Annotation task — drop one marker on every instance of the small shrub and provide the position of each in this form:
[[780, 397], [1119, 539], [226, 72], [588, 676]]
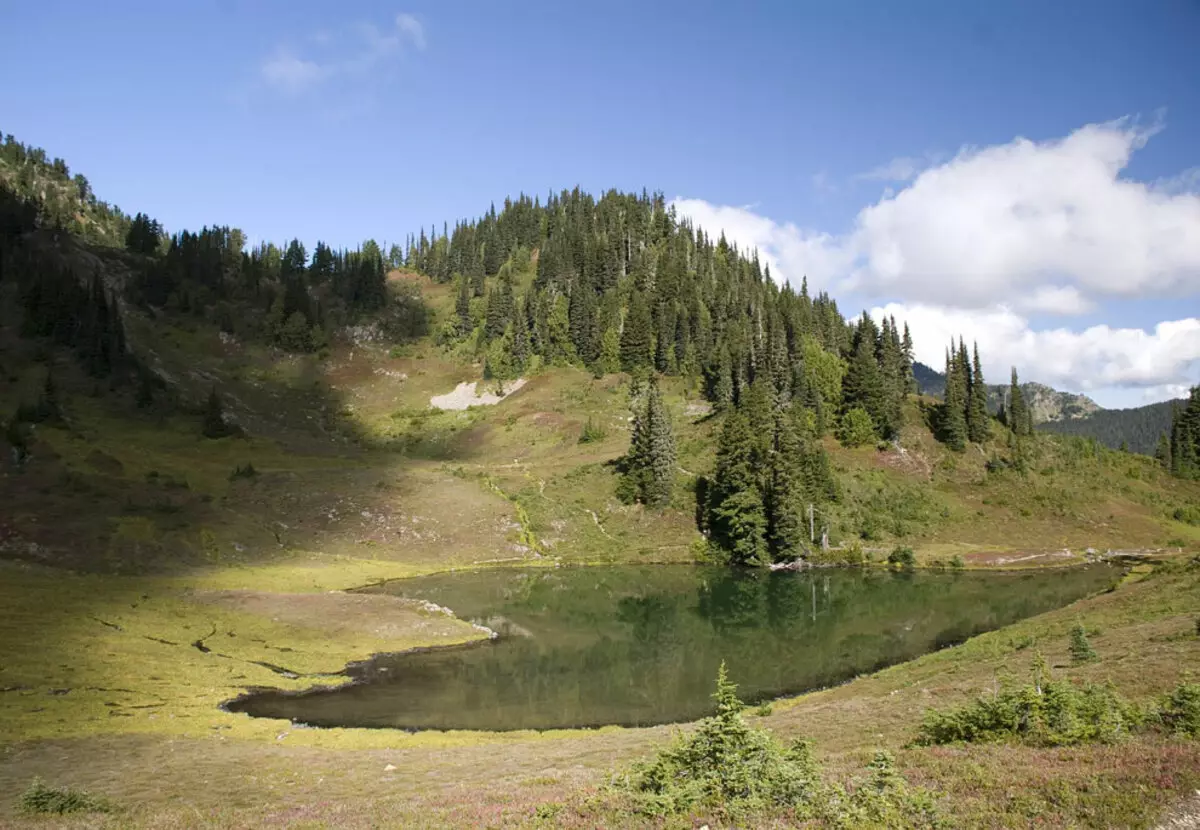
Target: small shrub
[[1180, 710], [246, 471], [1045, 712], [40, 798], [902, 557], [1080, 648], [856, 428], [732, 769], [957, 563], [593, 432]]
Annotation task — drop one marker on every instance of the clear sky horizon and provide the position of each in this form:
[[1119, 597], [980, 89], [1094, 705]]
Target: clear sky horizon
[[1025, 174]]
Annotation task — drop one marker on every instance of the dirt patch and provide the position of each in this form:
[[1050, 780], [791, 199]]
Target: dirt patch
[[340, 613], [468, 394], [1029, 560]]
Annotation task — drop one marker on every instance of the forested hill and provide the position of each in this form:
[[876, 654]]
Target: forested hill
[[1046, 404], [1138, 429]]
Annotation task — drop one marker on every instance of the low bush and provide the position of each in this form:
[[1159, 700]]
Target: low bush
[[1045, 712], [40, 798], [902, 557], [1080, 648], [1179, 712], [592, 432], [734, 770]]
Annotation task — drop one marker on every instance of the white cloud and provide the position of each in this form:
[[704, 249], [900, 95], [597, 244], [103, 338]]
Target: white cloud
[[355, 51], [897, 170], [1002, 223], [411, 28], [1098, 358], [285, 71]]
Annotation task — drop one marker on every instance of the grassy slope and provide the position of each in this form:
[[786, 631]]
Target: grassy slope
[[360, 481]]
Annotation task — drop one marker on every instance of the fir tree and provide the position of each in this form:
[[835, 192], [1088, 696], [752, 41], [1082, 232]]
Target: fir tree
[[462, 307], [977, 413], [864, 385], [786, 497], [650, 463], [1162, 452], [1020, 419], [637, 338], [214, 425], [953, 414]]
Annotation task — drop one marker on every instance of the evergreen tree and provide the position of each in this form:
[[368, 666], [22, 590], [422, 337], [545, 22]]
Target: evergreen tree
[[650, 463], [1018, 415], [462, 307], [953, 413], [1162, 452], [864, 385], [977, 413], [786, 497], [637, 338], [737, 519], [214, 425], [610, 351]]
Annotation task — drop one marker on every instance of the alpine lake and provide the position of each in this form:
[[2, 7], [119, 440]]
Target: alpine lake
[[641, 645]]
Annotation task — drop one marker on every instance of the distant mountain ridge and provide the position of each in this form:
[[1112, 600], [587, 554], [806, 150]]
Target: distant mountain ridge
[[1138, 428], [1048, 405]]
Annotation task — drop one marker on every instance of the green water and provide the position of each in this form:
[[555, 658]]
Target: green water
[[641, 645]]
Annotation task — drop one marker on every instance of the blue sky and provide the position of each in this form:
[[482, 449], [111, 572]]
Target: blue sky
[[851, 141]]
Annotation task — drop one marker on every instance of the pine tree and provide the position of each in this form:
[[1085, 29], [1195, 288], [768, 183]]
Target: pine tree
[[737, 519], [637, 338], [610, 351], [864, 384], [214, 425], [1163, 452], [462, 307], [1020, 420], [977, 413], [650, 464], [953, 414], [786, 497]]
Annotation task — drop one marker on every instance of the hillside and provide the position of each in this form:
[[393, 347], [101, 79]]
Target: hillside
[[210, 445], [1046, 404], [1138, 428]]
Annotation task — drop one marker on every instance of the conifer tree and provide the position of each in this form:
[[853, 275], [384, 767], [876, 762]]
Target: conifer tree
[[214, 425], [786, 498], [462, 307], [977, 413], [637, 338], [610, 351], [650, 463], [953, 414], [1162, 452], [864, 384], [1020, 419]]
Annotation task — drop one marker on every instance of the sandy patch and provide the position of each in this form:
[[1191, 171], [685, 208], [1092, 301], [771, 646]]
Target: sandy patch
[[468, 394]]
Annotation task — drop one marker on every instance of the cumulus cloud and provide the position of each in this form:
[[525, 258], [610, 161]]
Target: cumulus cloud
[[355, 51], [974, 244], [1097, 358], [1000, 224]]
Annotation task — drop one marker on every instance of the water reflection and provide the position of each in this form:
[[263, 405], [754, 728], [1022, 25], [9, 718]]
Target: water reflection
[[641, 645]]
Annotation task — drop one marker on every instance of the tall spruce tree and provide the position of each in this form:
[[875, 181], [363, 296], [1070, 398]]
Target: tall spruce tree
[[977, 413], [637, 338], [650, 463], [1017, 414], [954, 404]]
